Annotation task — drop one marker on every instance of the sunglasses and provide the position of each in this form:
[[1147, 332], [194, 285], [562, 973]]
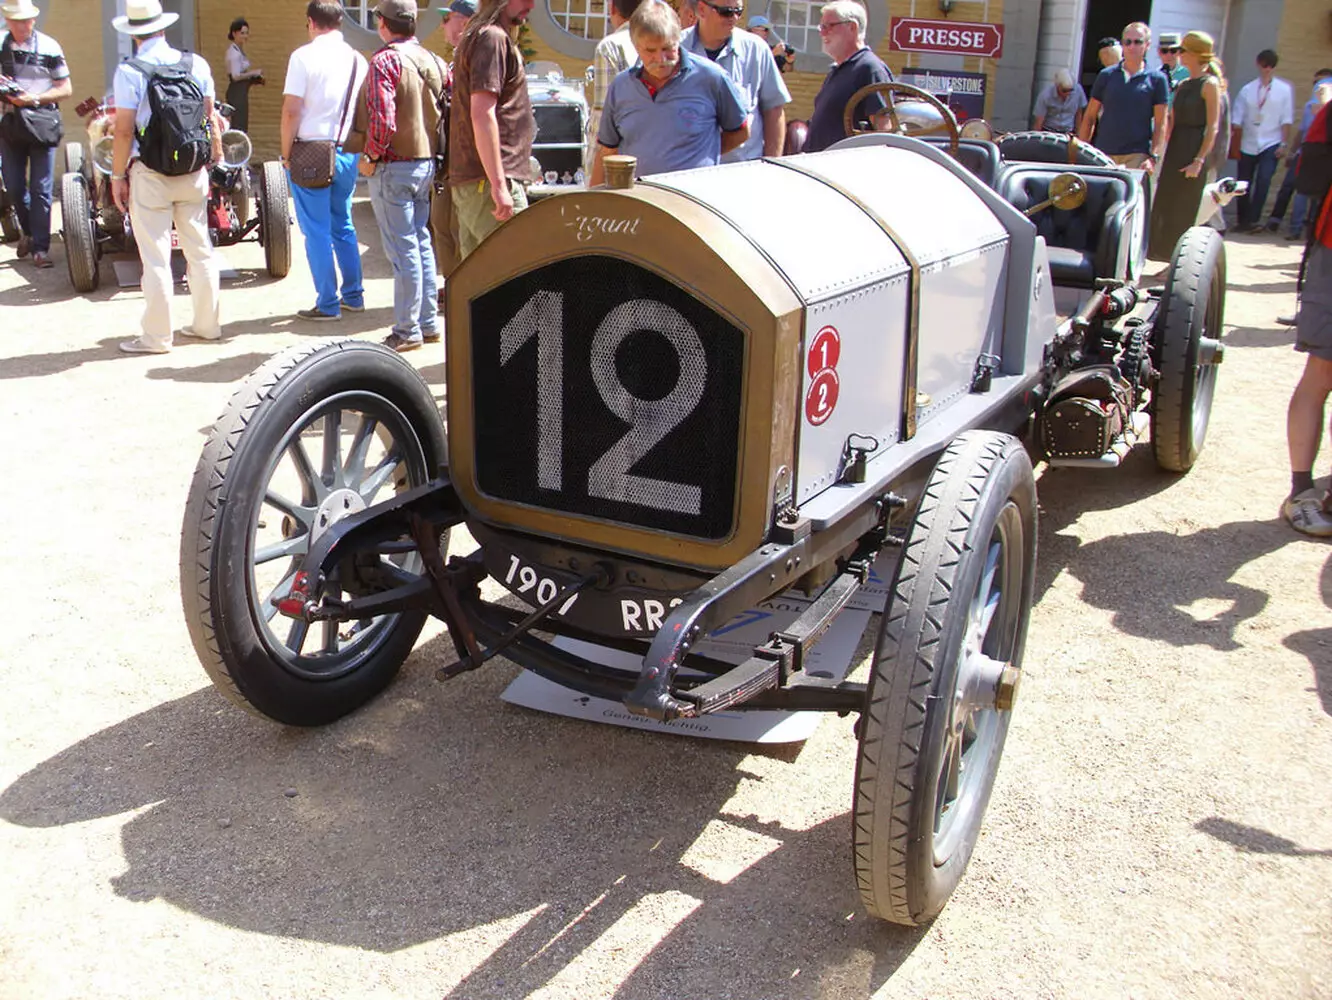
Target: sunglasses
[[1135, 41], [1167, 51], [725, 11]]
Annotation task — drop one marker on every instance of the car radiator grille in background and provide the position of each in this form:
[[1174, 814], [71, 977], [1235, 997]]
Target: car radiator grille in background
[[604, 390]]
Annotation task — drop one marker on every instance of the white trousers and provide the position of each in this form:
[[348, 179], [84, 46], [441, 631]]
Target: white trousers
[[157, 201]]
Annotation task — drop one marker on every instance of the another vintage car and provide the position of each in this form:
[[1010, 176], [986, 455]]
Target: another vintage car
[[662, 409], [94, 225], [560, 149]]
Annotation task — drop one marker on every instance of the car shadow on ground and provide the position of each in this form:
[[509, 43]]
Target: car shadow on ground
[[437, 810], [1149, 579], [1252, 840]]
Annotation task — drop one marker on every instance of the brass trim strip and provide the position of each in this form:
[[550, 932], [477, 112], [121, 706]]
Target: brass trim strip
[[909, 376]]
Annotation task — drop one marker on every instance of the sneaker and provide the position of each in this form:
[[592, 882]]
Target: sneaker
[[351, 308], [1287, 320], [41, 259], [24, 246], [401, 344], [137, 346], [430, 336], [1273, 225], [1306, 514], [189, 331], [317, 316]]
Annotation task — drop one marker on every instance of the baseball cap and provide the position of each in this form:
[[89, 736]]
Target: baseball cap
[[467, 8], [398, 10], [759, 21], [1105, 43]]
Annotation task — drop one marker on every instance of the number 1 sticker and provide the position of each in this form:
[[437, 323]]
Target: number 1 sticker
[[825, 351], [821, 399]]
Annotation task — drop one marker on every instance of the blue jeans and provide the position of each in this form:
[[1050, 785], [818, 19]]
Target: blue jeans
[[324, 216], [1257, 170], [400, 196], [28, 172]]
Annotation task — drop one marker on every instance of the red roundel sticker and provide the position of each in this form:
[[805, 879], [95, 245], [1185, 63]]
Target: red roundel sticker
[[825, 350], [821, 399]]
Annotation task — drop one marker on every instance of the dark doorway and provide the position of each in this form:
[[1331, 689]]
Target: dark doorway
[[1107, 20]]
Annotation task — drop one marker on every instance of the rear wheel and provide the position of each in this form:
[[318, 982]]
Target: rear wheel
[[1051, 147], [945, 674], [1187, 342], [80, 240], [275, 220], [314, 435], [76, 162]]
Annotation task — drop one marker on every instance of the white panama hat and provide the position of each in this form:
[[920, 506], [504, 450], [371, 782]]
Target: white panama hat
[[143, 17], [20, 10]]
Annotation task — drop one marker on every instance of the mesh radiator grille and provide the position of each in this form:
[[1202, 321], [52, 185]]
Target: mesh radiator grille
[[604, 390]]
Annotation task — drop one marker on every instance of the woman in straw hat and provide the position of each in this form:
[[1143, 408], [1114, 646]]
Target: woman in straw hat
[[1193, 121], [36, 63]]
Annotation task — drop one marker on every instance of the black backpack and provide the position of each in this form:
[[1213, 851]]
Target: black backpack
[[177, 139]]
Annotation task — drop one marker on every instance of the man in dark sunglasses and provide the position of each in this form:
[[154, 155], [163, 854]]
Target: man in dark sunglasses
[[1127, 108], [1168, 48], [748, 61]]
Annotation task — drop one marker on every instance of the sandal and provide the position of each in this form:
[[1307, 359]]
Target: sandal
[[399, 343]]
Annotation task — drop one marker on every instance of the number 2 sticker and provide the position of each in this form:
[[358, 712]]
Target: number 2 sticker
[[821, 399]]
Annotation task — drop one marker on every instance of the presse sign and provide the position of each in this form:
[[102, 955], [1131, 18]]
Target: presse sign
[[956, 38]]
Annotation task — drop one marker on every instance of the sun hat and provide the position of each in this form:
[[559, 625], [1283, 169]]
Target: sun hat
[[20, 10], [1200, 44], [143, 17], [467, 8], [1168, 40]]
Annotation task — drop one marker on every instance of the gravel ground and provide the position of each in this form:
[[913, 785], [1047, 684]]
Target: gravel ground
[[1160, 826]]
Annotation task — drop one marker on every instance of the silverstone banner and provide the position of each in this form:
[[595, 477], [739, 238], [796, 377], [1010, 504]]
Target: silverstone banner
[[963, 92]]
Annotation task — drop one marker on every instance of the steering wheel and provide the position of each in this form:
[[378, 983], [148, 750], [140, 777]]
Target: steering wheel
[[948, 123]]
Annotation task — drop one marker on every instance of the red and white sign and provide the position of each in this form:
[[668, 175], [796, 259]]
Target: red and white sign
[[826, 350], [821, 399], [954, 38]]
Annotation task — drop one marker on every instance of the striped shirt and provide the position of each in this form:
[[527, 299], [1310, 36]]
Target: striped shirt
[[37, 63]]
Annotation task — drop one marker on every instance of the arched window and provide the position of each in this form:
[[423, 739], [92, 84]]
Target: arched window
[[581, 18]]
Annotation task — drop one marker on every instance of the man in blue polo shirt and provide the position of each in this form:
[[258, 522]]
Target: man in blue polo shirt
[[673, 111], [748, 61], [842, 30], [1128, 106]]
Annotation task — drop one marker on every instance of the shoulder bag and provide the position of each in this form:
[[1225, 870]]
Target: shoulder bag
[[40, 126], [313, 161]]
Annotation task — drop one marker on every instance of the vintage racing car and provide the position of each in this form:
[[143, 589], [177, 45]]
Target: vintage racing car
[[662, 409], [93, 224]]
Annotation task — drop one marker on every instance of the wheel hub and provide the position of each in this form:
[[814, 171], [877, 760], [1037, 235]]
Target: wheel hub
[[337, 505]]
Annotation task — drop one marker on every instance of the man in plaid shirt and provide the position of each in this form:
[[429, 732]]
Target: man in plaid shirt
[[400, 107]]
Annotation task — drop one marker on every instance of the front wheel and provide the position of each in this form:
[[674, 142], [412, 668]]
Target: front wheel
[[312, 436], [1187, 348], [274, 219], [80, 240], [945, 675]]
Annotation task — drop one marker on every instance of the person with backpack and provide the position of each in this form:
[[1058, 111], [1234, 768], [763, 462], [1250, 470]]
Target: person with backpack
[[322, 78], [167, 134], [30, 127], [401, 107]]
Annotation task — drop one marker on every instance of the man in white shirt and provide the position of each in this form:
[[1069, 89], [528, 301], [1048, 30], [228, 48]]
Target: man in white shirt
[[323, 78], [614, 54], [1262, 117], [748, 61], [156, 200]]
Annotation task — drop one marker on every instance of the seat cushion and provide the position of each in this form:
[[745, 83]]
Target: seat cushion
[[1072, 236], [1071, 267]]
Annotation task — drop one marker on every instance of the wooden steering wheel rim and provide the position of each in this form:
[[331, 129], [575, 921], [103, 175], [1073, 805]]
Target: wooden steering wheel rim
[[894, 87]]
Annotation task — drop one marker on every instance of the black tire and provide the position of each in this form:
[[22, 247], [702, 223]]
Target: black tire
[[77, 225], [971, 544], [10, 229], [275, 219], [242, 542], [1186, 341], [1050, 147]]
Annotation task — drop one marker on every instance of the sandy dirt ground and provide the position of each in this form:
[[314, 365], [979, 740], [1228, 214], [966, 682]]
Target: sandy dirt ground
[[1161, 825]]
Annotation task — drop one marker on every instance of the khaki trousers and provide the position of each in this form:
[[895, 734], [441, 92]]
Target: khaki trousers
[[444, 229], [476, 211], [157, 201], [1131, 160]]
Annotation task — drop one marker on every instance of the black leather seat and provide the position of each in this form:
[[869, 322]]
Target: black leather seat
[[1084, 243], [980, 157]]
